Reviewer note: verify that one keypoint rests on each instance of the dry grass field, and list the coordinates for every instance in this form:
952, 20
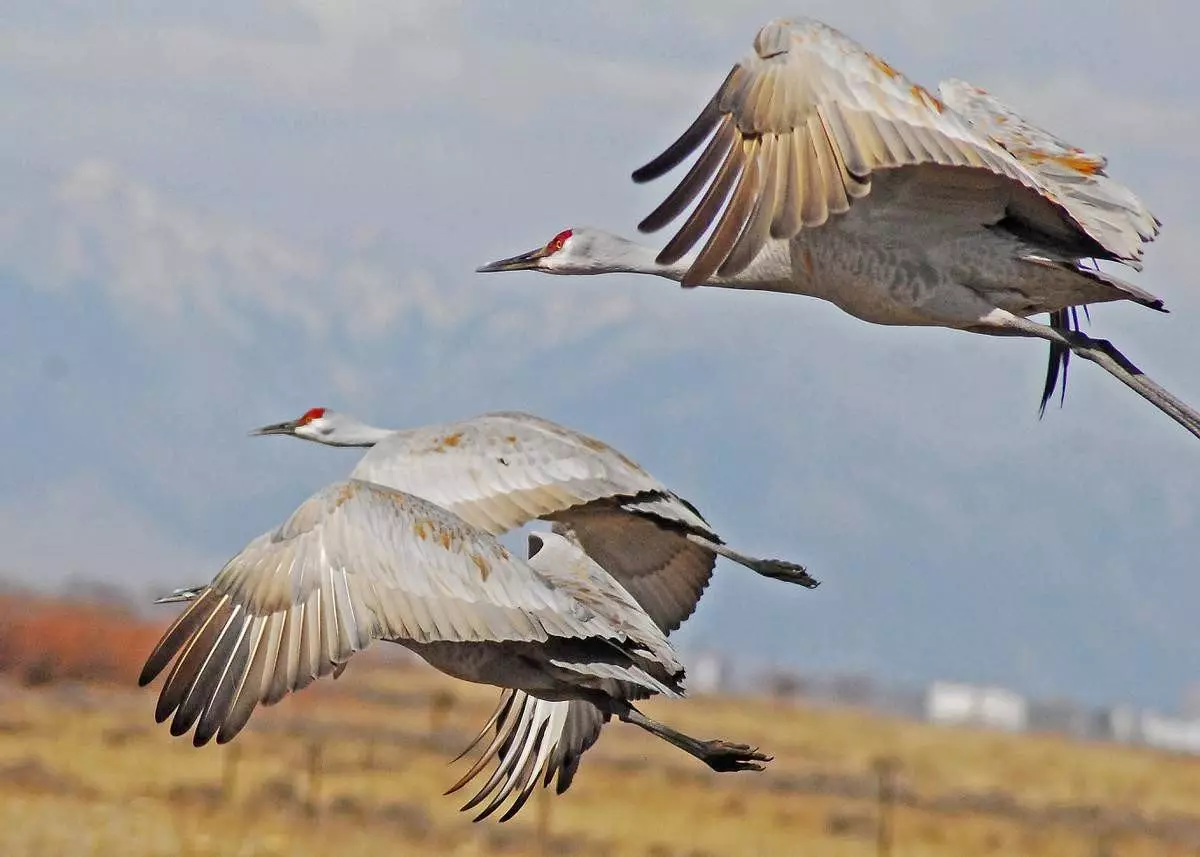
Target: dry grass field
358, 766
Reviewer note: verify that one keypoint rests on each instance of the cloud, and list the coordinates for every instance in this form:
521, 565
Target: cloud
159, 261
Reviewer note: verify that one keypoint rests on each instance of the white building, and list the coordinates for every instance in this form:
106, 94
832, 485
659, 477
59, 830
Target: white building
953, 704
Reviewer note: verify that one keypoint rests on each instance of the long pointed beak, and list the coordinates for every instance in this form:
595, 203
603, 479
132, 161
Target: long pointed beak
276, 428
530, 261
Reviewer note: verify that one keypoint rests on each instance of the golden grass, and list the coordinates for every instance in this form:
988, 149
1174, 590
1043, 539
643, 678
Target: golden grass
85, 771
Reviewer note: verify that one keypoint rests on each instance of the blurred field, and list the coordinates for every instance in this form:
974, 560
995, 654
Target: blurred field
357, 766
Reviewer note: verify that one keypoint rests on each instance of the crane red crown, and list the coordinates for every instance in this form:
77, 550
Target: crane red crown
312, 414
557, 242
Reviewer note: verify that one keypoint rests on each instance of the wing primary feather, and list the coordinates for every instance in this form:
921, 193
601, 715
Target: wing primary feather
683, 194
529, 772
705, 212
521, 731
789, 210
174, 638
754, 235
248, 693
216, 708
689, 140
516, 767
204, 668
502, 707
190, 659
733, 220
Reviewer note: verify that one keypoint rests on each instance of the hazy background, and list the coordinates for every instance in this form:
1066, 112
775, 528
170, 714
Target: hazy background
216, 218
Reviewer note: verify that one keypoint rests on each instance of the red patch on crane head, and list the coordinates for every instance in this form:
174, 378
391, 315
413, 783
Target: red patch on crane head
310, 415
557, 242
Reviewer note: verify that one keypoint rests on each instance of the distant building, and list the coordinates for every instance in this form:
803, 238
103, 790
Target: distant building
953, 704
1171, 733
706, 673
1121, 723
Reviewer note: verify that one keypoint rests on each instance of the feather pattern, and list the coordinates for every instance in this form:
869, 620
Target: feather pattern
358, 562
815, 116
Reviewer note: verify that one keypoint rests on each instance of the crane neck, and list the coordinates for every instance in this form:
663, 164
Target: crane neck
629, 257
354, 434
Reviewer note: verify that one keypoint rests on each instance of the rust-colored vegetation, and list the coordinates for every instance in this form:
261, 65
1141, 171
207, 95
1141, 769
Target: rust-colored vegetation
43, 640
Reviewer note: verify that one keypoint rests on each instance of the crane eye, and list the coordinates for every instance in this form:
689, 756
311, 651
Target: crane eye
557, 242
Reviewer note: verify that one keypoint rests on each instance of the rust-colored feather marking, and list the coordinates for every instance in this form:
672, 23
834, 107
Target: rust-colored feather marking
883, 65
485, 568
927, 98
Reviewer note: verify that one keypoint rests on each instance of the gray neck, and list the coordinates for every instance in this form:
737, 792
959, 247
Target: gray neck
351, 432
623, 256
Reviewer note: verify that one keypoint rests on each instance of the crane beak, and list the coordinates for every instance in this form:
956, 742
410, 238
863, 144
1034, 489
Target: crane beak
276, 428
530, 261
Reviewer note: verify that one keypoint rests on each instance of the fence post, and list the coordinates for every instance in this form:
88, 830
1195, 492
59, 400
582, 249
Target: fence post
229, 773
313, 793
542, 832
441, 702
885, 769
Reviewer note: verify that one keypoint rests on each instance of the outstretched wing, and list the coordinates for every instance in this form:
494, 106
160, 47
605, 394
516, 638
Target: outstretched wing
355, 563
499, 471
503, 470
659, 566
794, 134
1109, 212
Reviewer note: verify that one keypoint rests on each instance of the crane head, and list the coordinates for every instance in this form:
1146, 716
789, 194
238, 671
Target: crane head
554, 257
313, 424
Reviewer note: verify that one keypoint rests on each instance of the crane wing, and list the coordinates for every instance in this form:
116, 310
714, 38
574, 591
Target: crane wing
1110, 212
794, 134
557, 734
662, 569
534, 739
561, 563
502, 470
355, 563
499, 471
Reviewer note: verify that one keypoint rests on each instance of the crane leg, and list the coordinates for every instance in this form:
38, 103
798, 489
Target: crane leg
776, 569
1099, 351
718, 755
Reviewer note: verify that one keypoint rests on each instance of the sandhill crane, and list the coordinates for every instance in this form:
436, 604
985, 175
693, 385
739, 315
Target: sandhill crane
831, 174
501, 470
359, 562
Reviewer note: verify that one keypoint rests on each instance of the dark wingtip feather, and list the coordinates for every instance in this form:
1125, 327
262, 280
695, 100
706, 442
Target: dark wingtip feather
687, 142
174, 638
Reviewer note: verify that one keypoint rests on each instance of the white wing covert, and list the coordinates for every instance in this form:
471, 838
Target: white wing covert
1110, 212
501, 470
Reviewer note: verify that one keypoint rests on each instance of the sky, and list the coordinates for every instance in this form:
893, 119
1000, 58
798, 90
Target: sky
218, 216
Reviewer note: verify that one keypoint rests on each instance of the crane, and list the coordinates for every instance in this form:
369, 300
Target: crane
826, 172
359, 562
502, 470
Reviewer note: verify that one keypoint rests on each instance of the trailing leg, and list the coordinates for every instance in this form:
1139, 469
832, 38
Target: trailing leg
719, 755
1099, 351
